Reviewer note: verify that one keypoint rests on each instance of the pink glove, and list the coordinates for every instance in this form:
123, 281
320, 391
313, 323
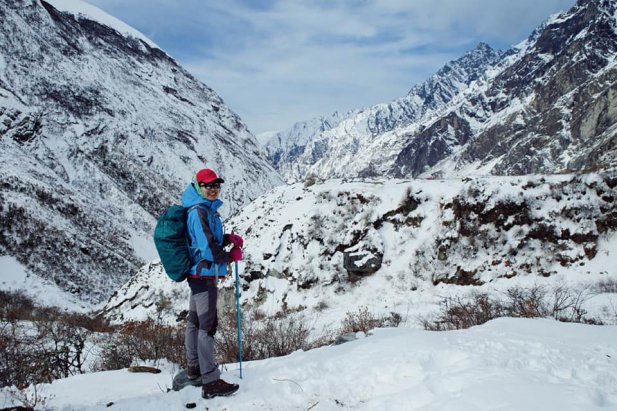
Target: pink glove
236, 240
235, 254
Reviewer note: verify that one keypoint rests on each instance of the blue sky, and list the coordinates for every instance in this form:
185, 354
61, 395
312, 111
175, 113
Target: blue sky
278, 62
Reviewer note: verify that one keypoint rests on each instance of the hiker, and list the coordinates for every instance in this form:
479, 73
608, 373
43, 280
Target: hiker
210, 263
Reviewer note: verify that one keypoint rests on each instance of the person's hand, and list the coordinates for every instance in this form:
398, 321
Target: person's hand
236, 240
235, 254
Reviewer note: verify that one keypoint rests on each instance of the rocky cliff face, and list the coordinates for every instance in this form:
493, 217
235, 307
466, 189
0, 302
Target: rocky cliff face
547, 105
555, 99
100, 131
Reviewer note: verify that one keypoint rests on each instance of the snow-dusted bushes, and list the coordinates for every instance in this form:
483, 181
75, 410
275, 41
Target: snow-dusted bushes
265, 337
363, 320
41, 344
606, 286
140, 342
458, 313
559, 302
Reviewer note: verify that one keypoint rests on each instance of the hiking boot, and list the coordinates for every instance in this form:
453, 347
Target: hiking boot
218, 388
193, 372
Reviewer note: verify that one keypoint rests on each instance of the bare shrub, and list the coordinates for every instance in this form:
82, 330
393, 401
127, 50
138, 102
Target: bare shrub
459, 313
263, 337
363, 320
40, 352
113, 355
560, 302
281, 335
61, 345
566, 304
15, 306
527, 302
608, 286
30, 398
226, 339
142, 341
40, 344
18, 365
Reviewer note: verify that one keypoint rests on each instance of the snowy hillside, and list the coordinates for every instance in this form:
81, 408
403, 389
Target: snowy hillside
506, 364
546, 105
100, 130
402, 245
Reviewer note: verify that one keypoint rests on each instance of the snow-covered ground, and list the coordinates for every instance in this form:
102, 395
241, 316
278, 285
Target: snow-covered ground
505, 364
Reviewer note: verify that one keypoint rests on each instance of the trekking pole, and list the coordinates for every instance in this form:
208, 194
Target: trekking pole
238, 318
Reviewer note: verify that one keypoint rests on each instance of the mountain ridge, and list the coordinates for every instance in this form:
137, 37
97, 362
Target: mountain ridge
100, 132
515, 102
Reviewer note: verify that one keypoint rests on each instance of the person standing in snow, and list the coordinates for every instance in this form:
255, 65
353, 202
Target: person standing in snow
207, 240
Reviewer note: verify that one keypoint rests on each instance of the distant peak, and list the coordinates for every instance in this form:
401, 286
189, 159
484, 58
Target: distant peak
608, 6
481, 50
479, 57
483, 47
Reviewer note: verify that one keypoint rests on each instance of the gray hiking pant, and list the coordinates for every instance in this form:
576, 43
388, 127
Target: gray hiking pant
200, 330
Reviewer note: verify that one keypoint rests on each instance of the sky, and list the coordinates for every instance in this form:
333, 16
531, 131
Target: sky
276, 62
506, 364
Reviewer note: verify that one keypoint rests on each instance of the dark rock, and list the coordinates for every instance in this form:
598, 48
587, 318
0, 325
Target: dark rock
362, 263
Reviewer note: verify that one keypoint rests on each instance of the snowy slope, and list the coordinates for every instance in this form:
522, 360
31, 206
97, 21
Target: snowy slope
100, 131
83, 10
506, 364
401, 245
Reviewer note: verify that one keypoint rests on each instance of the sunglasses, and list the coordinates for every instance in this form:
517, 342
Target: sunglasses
210, 186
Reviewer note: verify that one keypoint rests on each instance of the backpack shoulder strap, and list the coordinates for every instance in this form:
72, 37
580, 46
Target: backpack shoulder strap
218, 253
198, 207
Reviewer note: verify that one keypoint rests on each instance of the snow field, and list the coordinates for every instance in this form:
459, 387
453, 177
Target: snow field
505, 364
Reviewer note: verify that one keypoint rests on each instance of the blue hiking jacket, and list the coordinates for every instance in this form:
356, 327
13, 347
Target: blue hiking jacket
206, 234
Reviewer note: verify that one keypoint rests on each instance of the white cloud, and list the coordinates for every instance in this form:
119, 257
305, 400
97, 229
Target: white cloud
277, 62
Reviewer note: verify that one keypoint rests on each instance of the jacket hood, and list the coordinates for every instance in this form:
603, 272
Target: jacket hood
190, 198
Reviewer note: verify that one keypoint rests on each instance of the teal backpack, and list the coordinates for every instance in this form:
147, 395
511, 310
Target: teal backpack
172, 242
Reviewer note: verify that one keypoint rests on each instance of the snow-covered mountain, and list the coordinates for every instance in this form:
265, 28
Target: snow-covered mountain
284, 147
100, 130
330, 248
353, 144
546, 105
